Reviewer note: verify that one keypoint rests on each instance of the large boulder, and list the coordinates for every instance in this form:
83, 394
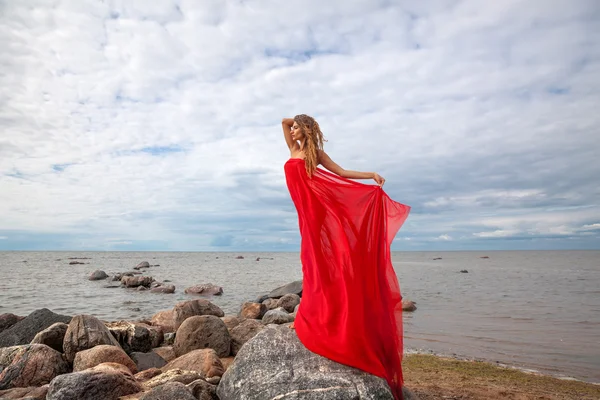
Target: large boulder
135, 336
204, 361
165, 320
292, 287
275, 363
30, 365
243, 332
205, 289
25, 330
200, 332
102, 354
7, 320
98, 383
85, 332
191, 308
52, 336
170, 390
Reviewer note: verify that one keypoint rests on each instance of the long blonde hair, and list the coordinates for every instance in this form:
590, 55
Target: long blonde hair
314, 140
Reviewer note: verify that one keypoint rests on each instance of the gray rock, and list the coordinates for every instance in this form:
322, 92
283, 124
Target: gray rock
163, 289
262, 298
135, 337
92, 385
146, 361
97, 275
206, 289
52, 336
288, 302
85, 332
293, 287
243, 332
275, 364
277, 316
170, 390
201, 332
25, 330
7, 320
202, 390
30, 365
143, 264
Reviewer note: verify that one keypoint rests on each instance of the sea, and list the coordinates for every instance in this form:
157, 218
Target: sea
533, 310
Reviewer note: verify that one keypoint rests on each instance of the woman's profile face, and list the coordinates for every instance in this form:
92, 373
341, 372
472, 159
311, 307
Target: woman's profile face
296, 131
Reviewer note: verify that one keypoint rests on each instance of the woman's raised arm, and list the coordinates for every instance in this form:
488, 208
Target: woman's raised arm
286, 124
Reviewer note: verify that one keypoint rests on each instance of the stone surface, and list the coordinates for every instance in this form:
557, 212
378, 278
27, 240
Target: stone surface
288, 302
135, 336
137, 281
231, 321
170, 390
292, 287
204, 361
203, 390
93, 384
143, 264
201, 332
30, 365
53, 336
243, 332
164, 288
102, 354
205, 289
165, 352
145, 361
85, 332
227, 361
252, 310
29, 393
192, 308
173, 375
97, 275
7, 320
25, 330
147, 374
165, 320
270, 303
408, 305
277, 352
277, 316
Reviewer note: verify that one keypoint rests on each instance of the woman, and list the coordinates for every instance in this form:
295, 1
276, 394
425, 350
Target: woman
351, 309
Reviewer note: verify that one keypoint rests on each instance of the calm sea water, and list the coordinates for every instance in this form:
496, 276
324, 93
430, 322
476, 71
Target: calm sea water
531, 309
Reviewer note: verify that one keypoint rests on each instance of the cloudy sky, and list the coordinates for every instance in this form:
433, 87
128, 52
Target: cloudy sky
155, 125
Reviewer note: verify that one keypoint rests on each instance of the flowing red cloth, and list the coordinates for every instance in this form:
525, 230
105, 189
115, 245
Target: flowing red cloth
351, 309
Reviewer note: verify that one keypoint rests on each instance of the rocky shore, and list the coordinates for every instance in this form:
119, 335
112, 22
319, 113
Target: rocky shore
192, 351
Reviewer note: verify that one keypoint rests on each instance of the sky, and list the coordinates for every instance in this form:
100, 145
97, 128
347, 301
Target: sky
137, 125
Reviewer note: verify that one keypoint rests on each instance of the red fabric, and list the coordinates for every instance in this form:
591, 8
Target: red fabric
351, 309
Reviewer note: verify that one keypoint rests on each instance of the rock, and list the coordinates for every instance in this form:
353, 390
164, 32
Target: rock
76, 263
262, 298
192, 308
145, 361
30, 365
203, 390
204, 361
163, 289
170, 390
277, 316
169, 339
484, 257
166, 352
173, 375
102, 354
200, 332
277, 352
408, 305
25, 330
253, 310
112, 367
165, 320
143, 264
29, 393
85, 332
293, 287
464, 271
92, 384
270, 304
137, 281
239, 258
97, 275
227, 361
135, 336
206, 289
141, 288
288, 302
7, 320
147, 374
437, 258
53, 336
231, 321
243, 332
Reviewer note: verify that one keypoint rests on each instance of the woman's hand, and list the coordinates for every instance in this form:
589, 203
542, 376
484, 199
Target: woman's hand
379, 179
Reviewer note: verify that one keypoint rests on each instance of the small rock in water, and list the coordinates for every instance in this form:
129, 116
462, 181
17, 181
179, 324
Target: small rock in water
75, 263
408, 305
206, 289
464, 271
437, 258
484, 257
239, 258
97, 275
143, 264
163, 289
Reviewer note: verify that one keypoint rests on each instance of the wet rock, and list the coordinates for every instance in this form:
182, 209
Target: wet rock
288, 302
93, 384
7, 320
243, 332
145, 361
97, 275
165, 352
173, 375
85, 332
200, 332
102, 354
408, 305
203, 390
204, 361
26, 393
277, 316
207, 289
163, 289
277, 352
30, 365
137, 281
192, 308
253, 310
53, 336
135, 336
25, 330
170, 390
292, 287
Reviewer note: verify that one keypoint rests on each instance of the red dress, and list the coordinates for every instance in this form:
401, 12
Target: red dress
351, 309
